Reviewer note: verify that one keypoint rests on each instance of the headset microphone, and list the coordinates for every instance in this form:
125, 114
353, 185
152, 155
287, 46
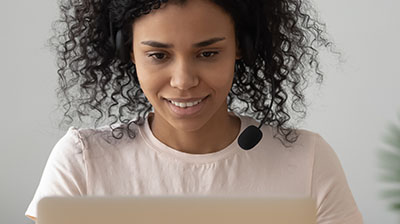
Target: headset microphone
252, 135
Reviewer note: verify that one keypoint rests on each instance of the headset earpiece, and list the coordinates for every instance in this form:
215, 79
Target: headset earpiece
121, 48
111, 38
248, 50
118, 44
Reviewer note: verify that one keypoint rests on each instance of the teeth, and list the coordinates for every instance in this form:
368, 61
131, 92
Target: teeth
184, 105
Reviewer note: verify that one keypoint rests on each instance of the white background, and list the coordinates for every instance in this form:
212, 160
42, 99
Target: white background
351, 110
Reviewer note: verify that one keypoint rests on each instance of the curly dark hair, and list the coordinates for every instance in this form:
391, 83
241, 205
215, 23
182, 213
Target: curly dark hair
95, 82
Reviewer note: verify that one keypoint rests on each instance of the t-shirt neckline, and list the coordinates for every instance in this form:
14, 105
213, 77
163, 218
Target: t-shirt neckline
160, 147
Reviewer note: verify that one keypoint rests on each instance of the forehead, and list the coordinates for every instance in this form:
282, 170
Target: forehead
194, 19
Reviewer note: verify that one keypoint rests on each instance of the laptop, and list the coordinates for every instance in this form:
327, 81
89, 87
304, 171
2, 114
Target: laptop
176, 210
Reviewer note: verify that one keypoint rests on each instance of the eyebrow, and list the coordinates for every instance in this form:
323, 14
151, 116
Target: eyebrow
205, 43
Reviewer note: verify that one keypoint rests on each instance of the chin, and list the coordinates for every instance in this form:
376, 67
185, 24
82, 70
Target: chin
188, 125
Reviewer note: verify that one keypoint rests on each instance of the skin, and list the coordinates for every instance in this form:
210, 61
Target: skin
185, 72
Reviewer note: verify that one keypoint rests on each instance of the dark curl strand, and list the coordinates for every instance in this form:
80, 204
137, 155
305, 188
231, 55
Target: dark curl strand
94, 83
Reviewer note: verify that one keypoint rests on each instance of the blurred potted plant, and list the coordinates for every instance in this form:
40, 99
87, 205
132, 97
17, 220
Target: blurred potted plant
390, 164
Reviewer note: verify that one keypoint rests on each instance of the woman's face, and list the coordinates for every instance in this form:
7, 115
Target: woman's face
185, 57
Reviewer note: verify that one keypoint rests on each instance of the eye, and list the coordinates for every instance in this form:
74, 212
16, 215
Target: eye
209, 54
157, 56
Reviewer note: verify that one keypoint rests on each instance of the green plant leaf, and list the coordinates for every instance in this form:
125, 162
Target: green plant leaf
390, 178
389, 155
396, 206
389, 162
394, 193
393, 138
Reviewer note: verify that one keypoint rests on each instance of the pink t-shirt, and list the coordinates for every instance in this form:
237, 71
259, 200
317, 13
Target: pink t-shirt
92, 162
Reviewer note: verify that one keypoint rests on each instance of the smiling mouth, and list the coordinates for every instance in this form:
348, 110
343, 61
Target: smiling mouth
185, 104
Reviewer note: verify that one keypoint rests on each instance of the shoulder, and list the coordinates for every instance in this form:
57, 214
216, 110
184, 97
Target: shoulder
273, 145
304, 135
305, 139
97, 141
68, 145
310, 147
79, 140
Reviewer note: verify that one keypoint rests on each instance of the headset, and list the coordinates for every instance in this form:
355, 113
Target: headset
252, 135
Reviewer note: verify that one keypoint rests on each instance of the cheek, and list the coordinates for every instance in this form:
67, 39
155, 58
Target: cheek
145, 74
221, 78
150, 82
149, 76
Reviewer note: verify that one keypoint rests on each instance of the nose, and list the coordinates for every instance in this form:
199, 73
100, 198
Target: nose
184, 76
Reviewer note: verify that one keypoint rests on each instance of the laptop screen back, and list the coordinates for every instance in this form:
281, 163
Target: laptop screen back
175, 210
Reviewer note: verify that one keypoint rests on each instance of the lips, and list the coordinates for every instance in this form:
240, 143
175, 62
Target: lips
186, 106
186, 99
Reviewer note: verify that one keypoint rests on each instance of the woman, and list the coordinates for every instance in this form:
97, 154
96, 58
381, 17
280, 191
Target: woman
185, 78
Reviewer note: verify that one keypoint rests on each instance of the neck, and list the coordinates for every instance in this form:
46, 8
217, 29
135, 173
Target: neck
216, 134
